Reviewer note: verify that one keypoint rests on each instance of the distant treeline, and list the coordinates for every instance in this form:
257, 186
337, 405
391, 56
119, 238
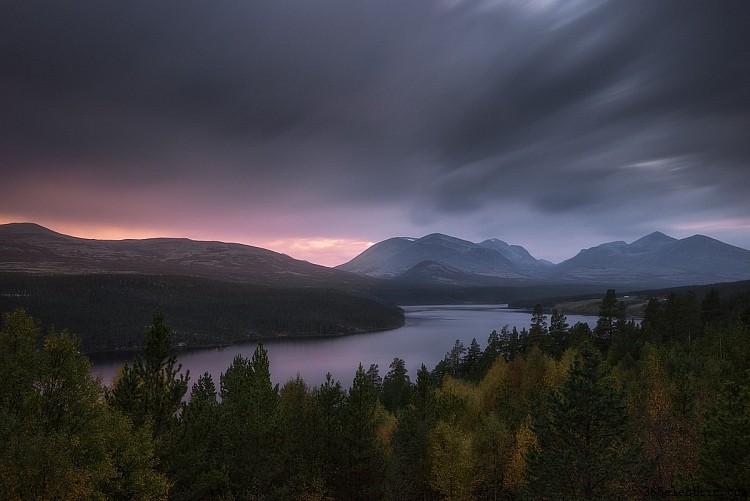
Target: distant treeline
111, 311
732, 290
620, 411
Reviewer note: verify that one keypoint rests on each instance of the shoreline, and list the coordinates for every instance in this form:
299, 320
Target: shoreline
186, 348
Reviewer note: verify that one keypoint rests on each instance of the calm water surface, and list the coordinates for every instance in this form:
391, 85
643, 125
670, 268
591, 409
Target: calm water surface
429, 332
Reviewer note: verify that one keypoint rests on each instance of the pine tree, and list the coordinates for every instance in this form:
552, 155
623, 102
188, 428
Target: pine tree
471, 368
494, 349
58, 437
301, 442
538, 330
365, 464
412, 463
198, 463
455, 358
150, 392
584, 446
249, 432
396, 386
724, 455
610, 313
373, 374
330, 401
558, 332
711, 309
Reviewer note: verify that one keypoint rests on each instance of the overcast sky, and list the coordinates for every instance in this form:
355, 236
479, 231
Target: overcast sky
313, 127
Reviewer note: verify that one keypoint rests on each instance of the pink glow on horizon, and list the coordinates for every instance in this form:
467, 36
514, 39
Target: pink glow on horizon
323, 251
716, 225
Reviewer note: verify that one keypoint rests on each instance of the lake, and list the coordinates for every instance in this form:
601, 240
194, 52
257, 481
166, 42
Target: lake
428, 334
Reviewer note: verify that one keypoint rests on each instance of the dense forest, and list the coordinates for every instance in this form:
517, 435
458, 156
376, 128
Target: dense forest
620, 411
110, 311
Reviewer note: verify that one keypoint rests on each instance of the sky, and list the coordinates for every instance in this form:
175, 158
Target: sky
317, 127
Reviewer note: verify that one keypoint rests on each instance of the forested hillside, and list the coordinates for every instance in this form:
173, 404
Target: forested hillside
110, 311
621, 411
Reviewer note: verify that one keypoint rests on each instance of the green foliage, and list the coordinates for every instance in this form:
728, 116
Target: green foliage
365, 462
249, 430
538, 332
711, 308
611, 315
725, 449
396, 386
150, 392
519, 419
330, 399
376, 381
198, 469
471, 363
301, 445
108, 311
558, 333
59, 439
584, 448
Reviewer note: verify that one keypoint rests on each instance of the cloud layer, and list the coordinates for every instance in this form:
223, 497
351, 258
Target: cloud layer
552, 124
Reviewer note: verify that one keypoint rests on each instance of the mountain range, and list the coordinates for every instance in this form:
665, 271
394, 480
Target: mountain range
656, 260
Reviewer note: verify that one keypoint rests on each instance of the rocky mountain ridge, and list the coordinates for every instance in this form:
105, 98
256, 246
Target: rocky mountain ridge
656, 260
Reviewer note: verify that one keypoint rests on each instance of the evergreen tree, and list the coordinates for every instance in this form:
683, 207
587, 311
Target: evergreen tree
373, 374
538, 331
150, 392
59, 440
611, 313
580, 334
584, 446
365, 464
682, 317
412, 467
396, 386
301, 443
249, 432
711, 309
198, 464
455, 358
558, 332
522, 346
725, 452
330, 399
494, 349
471, 368
653, 319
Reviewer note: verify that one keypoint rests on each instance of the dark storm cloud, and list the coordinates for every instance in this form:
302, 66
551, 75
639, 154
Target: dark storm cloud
439, 108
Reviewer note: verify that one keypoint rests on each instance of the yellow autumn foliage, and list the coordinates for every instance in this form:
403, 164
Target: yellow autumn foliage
516, 468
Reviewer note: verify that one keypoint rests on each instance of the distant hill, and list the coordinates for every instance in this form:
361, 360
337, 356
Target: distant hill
438, 258
520, 257
212, 293
32, 248
656, 260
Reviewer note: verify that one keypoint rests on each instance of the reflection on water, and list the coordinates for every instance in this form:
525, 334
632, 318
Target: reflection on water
429, 332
